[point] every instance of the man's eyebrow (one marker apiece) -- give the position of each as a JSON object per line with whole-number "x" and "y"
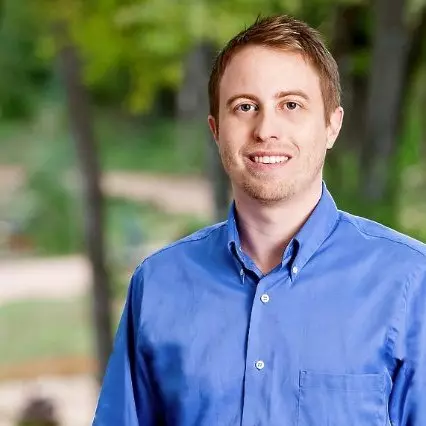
{"x": 232, "y": 99}
{"x": 279, "y": 95}
{"x": 285, "y": 93}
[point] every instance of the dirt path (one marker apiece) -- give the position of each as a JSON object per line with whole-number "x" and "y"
{"x": 69, "y": 276}
{"x": 47, "y": 278}
{"x": 172, "y": 194}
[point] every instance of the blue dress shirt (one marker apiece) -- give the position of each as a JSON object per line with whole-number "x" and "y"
{"x": 335, "y": 335}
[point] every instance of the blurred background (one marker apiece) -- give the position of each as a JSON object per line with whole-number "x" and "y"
{"x": 105, "y": 156}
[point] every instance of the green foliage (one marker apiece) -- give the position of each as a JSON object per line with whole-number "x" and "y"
{"x": 54, "y": 221}
{"x": 133, "y": 48}
{"x": 159, "y": 41}
{"x": 22, "y": 72}
{"x": 47, "y": 209}
{"x": 152, "y": 147}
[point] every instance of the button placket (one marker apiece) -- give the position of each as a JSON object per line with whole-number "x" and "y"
{"x": 257, "y": 354}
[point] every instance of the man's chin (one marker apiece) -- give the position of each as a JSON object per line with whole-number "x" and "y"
{"x": 268, "y": 196}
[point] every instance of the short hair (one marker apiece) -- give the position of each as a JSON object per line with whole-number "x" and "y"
{"x": 286, "y": 33}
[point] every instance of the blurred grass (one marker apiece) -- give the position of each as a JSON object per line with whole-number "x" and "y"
{"x": 35, "y": 330}
{"x": 32, "y": 330}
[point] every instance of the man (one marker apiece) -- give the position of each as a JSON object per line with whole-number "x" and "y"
{"x": 291, "y": 312}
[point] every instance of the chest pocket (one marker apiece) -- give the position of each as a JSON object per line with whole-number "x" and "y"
{"x": 341, "y": 399}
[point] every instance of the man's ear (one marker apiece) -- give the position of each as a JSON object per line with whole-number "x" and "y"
{"x": 334, "y": 126}
{"x": 214, "y": 128}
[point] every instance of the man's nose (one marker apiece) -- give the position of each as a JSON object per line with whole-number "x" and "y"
{"x": 267, "y": 126}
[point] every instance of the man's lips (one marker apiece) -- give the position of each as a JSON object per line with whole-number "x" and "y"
{"x": 268, "y": 157}
{"x": 262, "y": 153}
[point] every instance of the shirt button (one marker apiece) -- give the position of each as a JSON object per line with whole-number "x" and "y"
{"x": 295, "y": 269}
{"x": 264, "y": 298}
{"x": 260, "y": 365}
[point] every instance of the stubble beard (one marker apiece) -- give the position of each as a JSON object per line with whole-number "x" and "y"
{"x": 269, "y": 191}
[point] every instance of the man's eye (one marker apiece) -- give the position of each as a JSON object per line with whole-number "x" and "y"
{"x": 246, "y": 107}
{"x": 291, "y": 105}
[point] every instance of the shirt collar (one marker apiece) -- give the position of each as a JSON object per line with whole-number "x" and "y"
{"x": 233, "y": 235}
{"x": 234, "y": 242}
{"x": 319, "y": 226}
{"x": 310, "y": 237}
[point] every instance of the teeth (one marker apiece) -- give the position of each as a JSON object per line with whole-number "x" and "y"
{"x": 270, "y": 160}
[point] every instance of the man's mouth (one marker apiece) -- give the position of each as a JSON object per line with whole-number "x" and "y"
{"x": 270, "y": 159}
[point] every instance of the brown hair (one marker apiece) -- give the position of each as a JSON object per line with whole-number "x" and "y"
{"x": 285, "y": 33}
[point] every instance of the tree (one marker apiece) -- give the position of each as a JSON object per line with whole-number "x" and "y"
{"x": 81, "y": 124}
{"x": 21, "y": 71}
{"x": 390, "y": 53}
{"x": 395, "y": 59}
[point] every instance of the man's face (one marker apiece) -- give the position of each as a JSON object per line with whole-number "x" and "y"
{"x": 271, "y": 132}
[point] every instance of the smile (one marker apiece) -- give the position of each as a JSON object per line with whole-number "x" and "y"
{"x": 270, "y": 159}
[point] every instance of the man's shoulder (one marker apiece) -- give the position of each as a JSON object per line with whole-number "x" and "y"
{"x": 384, "y": 236}
{"x": 187, "y": 242}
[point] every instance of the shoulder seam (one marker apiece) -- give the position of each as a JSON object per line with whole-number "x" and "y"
{"x": 187, "y": 240}
{"x": 382, "y": 236}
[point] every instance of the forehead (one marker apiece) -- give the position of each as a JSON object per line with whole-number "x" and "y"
{"x": 264, "y": 71}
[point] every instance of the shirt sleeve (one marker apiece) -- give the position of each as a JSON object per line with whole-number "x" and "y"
{"x": 126, "y": 397}
{"x": 408, "y": 397}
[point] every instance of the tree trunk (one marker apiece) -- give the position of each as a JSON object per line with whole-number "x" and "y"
{"x": 423, "y": 126}
{"x": 416, "y": 55}
{"x": 351, "y": 40}
{"x": 348, "y": 39}
{"x": 386, "y": 86}
{"x": 417, "y": 51}
{"x": 81, "y": 124}
{"x": 192, "y": 111}
{"x": 423, "y": 134}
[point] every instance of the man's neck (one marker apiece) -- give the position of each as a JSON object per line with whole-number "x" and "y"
{"x": 266, "y": 230}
